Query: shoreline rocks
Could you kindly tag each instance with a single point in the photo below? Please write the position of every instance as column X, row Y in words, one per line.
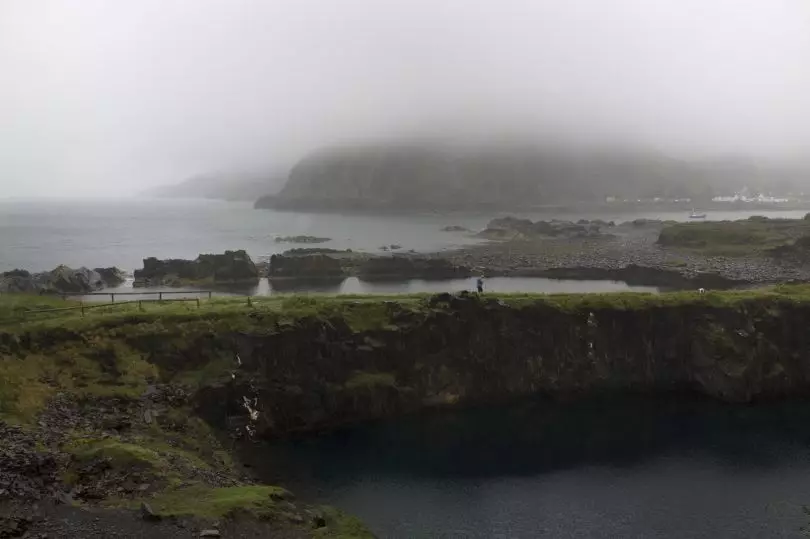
column 515, row 229
column 631, row 249
column 228, row 267
column 301, row 239
column 60, row 280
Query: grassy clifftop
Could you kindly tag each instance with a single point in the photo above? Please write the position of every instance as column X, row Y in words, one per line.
column 756, row 235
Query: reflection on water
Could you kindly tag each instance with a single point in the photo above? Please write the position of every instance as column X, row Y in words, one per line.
column 353, row 285
column 676, row 466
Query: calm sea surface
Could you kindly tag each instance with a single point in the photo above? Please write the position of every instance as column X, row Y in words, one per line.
column 671, row 467
column 39, row 235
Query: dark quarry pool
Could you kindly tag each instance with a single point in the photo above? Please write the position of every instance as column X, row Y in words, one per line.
column 677, row 466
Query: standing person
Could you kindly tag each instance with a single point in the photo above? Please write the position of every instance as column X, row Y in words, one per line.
column 479, row 283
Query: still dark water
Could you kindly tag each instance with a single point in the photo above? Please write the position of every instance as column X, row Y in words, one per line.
column 674, row 467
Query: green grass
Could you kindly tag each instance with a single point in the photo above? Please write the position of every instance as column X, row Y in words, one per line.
column 119, row 454
column 361, row 312
column 734, row 238
column 342, row 526
column 214, row 503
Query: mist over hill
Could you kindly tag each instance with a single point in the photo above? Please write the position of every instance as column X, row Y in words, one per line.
column 512, row 176
column 233, row 187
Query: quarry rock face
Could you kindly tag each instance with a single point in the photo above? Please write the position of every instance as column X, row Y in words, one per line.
column 319, row 373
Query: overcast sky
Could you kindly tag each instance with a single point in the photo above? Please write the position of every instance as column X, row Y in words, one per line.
column 110, row 96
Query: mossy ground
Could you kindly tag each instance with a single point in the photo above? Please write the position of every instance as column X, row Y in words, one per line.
column 258, row 501
column 756, row 235
column 103, row 363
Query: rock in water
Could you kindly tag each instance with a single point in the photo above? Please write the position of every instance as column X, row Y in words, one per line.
column 301, row 239
column 65, row 279
column 16, row 281
column 111, row 276
column 230, row 267
column 61, row 279
column 210, row 533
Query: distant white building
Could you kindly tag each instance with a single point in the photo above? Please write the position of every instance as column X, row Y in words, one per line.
column 740, row 197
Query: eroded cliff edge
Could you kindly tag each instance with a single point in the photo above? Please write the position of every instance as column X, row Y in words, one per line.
column 321, row 371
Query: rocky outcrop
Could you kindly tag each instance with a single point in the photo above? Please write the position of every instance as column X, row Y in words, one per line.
column 111, row 276
column 512, row 228
column 60, row 280
column 229, row 267
column 305, row 266
column 302, row 239
column 316, row 374
column 410, row 267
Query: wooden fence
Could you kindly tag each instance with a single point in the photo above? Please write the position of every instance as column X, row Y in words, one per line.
column 159, row 294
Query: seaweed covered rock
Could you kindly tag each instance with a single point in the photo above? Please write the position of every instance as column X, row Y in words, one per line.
column 228, row 267
column 411, row 267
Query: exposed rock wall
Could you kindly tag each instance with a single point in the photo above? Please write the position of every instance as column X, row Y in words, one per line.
column 315, row 374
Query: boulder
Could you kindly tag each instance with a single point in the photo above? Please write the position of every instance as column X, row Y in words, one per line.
column 17, row 281
column 232, row 266
column 60, row 280
column 111, row 276
column 65, row 279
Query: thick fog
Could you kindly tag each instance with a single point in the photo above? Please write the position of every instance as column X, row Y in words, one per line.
column 109, row 97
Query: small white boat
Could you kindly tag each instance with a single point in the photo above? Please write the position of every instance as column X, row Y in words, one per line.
column 695, row 215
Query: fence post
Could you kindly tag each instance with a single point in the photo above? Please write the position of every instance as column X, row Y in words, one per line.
column 140, row 307
column 112, row 297
column 209, row 294
column 160, row 296
column 198, row 303
column 250, row 303
column 82, row 304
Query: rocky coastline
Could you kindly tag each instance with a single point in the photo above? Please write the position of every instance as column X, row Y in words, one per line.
column 60, row 280
column 639, row 252
column 626, row 251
